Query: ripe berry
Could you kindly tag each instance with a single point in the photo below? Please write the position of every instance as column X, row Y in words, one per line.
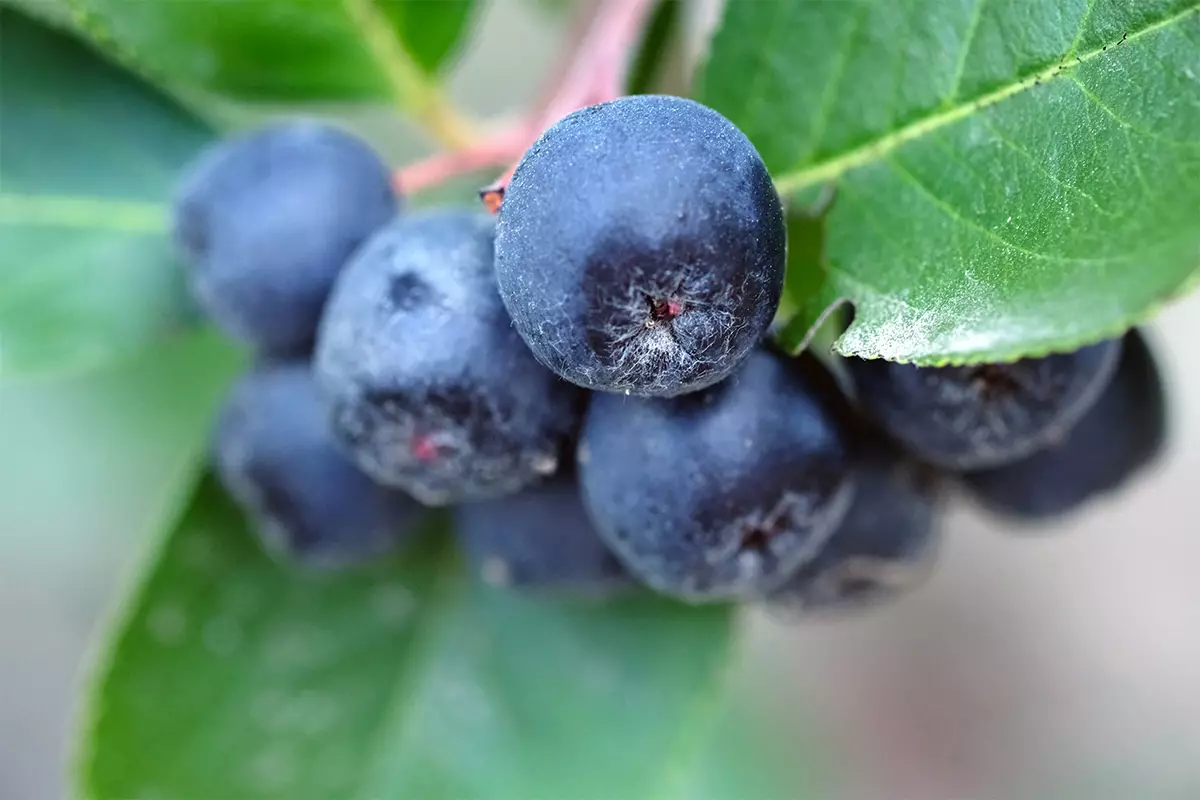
column 265, row 221
column 305, row 500
column 540, row 537
column 429, row 387
column 1120, row 435
column 884, row 547
column 971, row 417
column 640, row 247
column 722, row 493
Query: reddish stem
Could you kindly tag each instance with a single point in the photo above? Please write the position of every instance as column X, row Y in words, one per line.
column 594, row 74
column 498, row 148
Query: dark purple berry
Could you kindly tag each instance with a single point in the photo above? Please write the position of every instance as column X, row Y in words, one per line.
column 305, row 500
column 725, row 492
column 539, row 538
column 640, row 247
column 971, row 417
column 265, row 221
column 885, row 546
column 1119, row 437
column 430, row 389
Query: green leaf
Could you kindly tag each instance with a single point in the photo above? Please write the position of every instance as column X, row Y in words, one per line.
column 53, row 12
column 123, row 443
column 1011, row 178
column 234, row 677
column 88, row 154
column 430, row 30
column 647, row 66
column 284, row 50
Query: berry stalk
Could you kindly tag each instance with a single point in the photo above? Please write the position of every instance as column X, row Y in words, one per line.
column 595, row 73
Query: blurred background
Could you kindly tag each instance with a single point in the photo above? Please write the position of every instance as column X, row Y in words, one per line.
column 1039, row 663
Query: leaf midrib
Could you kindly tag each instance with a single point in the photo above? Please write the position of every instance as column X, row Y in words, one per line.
column 790, row 182
column 413, row 91
column 81, row 212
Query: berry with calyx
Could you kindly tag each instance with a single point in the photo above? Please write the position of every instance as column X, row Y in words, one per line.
column 429, row 387
column 721, row 493
column 640, row 247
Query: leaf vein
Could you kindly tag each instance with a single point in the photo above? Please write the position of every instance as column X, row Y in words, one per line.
column 1083, row 21
column 1137, row 166
column 829, row 94
column 754, row 94
column 967, row 222
column 835, row 165
column 841, row 276
column 1040, row 167
column 92, row 213
column 1124, row 123
column 964, row 51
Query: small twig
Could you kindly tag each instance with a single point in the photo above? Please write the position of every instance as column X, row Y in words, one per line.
column 492, row 151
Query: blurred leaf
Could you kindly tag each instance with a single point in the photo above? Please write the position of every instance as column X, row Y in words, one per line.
column 647, row 66
column 88, row 154
column 1011, row 178
column 233, row 677
column 752, row 758
column 429, row 29
column 55, row 12
column 123, row 443
column 282, row 50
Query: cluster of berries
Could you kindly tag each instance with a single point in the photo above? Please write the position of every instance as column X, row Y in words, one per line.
column 587, row 379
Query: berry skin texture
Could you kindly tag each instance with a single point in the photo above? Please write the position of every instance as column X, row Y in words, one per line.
column 985, row 415
column 429, row 388
column 540, row 538
column 720, row 494
column 885, row 546
column 306, row 501
column 1121, row 435
column 640, row 247
column 265, row 221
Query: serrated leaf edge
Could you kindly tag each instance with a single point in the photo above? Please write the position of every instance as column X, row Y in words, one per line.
column 968, row 358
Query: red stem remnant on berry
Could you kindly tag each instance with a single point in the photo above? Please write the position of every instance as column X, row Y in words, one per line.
column 664, row 309
column 424, row 448
column 595, row 73
column 492, row 198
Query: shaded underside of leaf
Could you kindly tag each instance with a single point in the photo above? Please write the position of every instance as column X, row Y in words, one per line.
column 232, row 676
column 275, row 50
column 88, row 158
column 54, row 12
column 1011, row 178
